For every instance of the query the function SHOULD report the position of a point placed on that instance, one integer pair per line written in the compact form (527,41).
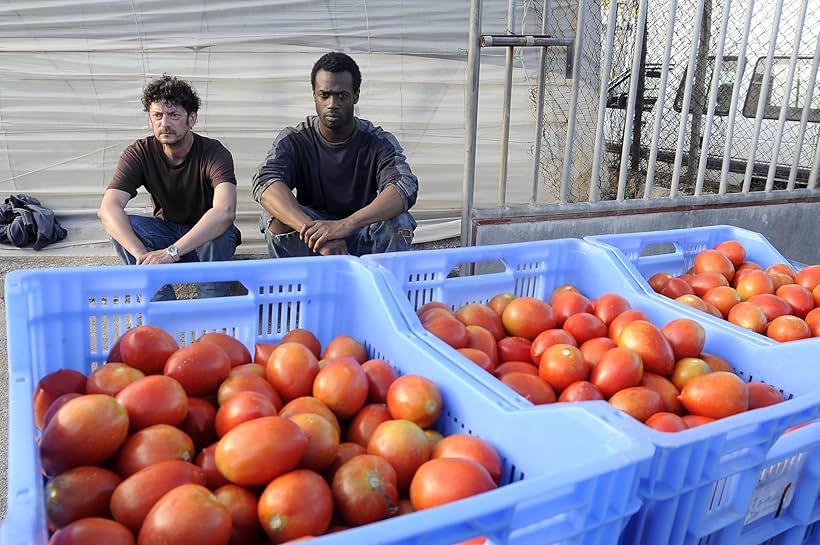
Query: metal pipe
(630,105)
(713,94)
(815,167)
(600,138)
(505,109)
(804,117)
(761,102)
(687,101)
(730,127)
(539,108)
(573,105)
(530,40)
(471,121)
(781,118)
(664,83)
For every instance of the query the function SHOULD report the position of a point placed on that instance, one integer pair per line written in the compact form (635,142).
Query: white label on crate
(775,488)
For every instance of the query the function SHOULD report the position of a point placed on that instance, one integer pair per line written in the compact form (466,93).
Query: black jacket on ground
(24,221)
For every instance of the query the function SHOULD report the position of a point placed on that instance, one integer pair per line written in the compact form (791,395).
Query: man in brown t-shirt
(189,177)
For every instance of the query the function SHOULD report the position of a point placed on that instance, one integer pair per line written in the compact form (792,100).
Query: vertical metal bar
(687,101)
(600,138)
(539,107)
(471,121)
(659,106)
(781,118)
(573,104)
(761,103)
(713,94)
(804,117)
(815,166)
(505,110)
(630,104)
(730,126)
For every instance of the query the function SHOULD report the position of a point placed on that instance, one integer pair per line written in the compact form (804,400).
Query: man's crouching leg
(393,235)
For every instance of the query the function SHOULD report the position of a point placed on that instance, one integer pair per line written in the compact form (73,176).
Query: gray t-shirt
(337,179)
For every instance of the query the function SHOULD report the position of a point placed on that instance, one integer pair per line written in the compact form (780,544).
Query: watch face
(172,251)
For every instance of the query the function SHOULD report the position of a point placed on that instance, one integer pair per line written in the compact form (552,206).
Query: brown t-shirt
(181,194)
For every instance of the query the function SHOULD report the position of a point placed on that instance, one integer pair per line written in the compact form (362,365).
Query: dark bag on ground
(25,222)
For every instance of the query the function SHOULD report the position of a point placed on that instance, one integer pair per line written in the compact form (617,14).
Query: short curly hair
(172,90)
(337,62)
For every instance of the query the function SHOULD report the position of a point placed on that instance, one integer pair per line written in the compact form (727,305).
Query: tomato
(323,441)
(688,368)
(748,316)
(561,365)
(345,452)
(723,298)
(694,420)
(813,321)
(677,287)
(609,306)
(714,261)
(692,300)
(561,289)
(151,445)
(668,422)
(435,312)
(434,437)
(703,282)
(788,328)
(548,338)
(815,295)
(669,392)
(199,423)
(515,367)
(248,382)
(432,305)
(57,405)
(93,530)
(342,385)
(304,337)
(155,399)
(110,378)
(257,451)
(763,395)
(309,404)
(747,265)
(658,280)
(187,515)
(567,303)
(241,407)
(481,315)
(365,490)
(262,351)
(527,317)
(147,348)
(617,369)
(248,369)
(379,378)
(403,444)
(715,395)
(52,386)
(754,283)
(781,268)
(472,448)
(639,402)
(529,386)
(481,339)
(479,358)
(449,330)
(206,460)
(78,493)
(242,504)
(514,349)
(200,368)
(593,349)
(500,301)
(733,250)
(622,320)
(365,422)
(414,398)
(86,431)
(799,297)
(716,363)
(780,279)
(650,344)
(685,336)
(771,305)
(345,345)
(291,369)
(136,495)
(581,390)
(296,504)
(444,480)
(583,327)
(808,277)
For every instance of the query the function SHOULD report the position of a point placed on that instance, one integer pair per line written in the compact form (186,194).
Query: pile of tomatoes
(199,445)
(576,349)
(777,302)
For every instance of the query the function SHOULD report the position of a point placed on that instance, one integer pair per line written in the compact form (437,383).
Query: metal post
(815,167)
(539,108)
(804,117)
(600,139)
(761,103)
(471,121)
(573,103)
(781,118)
(630,104)
(505,110)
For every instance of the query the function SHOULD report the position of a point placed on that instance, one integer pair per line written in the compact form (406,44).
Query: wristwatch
(172,251)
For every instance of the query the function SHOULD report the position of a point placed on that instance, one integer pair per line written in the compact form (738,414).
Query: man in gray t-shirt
(353,185)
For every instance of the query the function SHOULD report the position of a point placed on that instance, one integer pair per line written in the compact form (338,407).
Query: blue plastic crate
(701,481)
(647,253)
(577,484)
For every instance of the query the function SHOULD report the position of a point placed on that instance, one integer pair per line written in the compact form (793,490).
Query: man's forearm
(209,227)
(116,223)
(387,204)
(280,203)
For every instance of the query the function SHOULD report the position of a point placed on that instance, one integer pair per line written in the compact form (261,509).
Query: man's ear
(191,119)
(356,98)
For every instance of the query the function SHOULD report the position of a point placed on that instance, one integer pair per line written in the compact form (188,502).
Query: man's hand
(156,257)
(334,247)
(318,233)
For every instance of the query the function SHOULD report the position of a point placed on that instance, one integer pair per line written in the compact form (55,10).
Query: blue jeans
(393,235)
(157,234)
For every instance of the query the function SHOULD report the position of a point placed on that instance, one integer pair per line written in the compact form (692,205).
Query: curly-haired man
(353,185)
(189,177)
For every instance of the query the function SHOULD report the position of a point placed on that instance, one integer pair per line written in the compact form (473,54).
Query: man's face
(334,97)
(170,122)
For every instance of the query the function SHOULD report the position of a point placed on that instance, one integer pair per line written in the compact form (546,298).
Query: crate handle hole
(659,249)
(199,290)
(477,268)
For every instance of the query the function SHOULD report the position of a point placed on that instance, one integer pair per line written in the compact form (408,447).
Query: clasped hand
(326,237)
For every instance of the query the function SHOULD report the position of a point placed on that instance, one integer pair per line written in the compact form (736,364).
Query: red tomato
(242,504)
(715,395)
(365,490)
(500,301)
(567,303)
(580,391)
(147,348)
(93,530)
(548,338)
(345,452)
(365,422)
(677,287)
(754,283)
(244,406)
(152,445)
(296,504)
(622,320)
(403,444)
(664,387)
(323,441)
(345,345)
(763,395)
(809,277)
(561,365)
(481,315)
(206,460)
(668,422)
(472,448)
(445,480)
(658,280)
(650,344)
(781,268)
(529,386)
(111,378)
(788,328)
(514,349)
(304,337)
(237,353)
(703,282)
(262,352)
(516,367)
(609,306)
(813,321)
(748,316)
(479,358)
(688,368)
(449,330)
(199,423)
(155,399)
(248,369)
(692,300)
(480,339)
(694,420)
(291,369)
(342,385)
(583,327)
(187,515)
(414,398)
(248,382)
(733,250)
(200,368)
(379,378)
(593,349)
(57,405)
(309,404)
(436,312)
(617,369)
(780,279)
(527,317)
(52,386)
(639,402)
(771,305)
(714,261)
(79,493)
(685,336)
(799,297)
(716,363)
(723,298)
(815,294)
